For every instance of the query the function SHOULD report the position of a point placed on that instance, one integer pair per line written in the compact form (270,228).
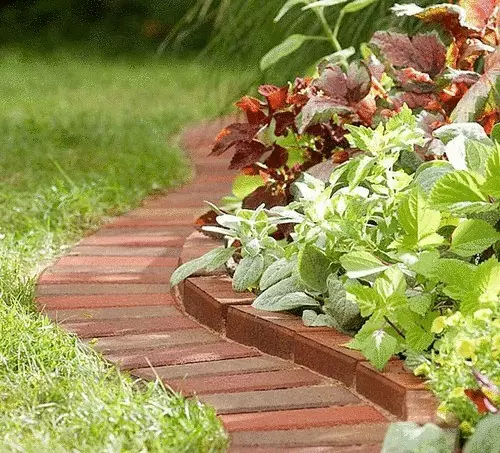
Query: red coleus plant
(293,128)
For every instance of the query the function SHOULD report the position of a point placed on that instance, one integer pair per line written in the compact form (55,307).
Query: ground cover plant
(82,139)
(369,202)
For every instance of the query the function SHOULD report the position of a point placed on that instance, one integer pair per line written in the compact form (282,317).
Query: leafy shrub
(296,127)
(398,242)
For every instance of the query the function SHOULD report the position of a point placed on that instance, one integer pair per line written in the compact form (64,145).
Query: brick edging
(209,298)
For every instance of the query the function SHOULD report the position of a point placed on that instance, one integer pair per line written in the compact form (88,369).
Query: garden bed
(208,297)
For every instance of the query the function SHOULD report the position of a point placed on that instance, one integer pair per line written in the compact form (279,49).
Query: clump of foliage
(398,241)
(296,127)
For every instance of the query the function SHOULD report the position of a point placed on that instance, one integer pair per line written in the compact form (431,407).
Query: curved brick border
(112,290)
(210,299)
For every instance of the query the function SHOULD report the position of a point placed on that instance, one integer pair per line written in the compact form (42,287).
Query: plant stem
(396,328)
(332,35)
(328,31)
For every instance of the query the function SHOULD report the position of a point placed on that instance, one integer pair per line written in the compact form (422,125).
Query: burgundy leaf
(284,121)
(276,96)
(359,81)
(252,108)
(269,195)
(278,157)
(320,109)
(246,154)
(425,53)
(332,81)
(232,134)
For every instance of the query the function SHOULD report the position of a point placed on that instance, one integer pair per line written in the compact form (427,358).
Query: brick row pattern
(112,291)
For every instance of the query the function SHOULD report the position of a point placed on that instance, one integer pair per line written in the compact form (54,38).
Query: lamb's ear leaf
(210,261)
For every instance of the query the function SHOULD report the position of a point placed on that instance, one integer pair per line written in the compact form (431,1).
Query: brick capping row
(276,385)
(211,300)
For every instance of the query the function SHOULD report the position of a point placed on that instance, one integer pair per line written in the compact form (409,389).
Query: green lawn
(80,139)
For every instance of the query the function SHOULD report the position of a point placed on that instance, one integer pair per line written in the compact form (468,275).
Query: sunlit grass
(81,139)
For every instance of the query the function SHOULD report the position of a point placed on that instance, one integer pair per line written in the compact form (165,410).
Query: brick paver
(112,290)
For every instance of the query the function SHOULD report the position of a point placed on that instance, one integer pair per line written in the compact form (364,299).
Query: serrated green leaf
(426,264)
(357,5)
(212,260)
(417,219)
(420,303)
(379,347)
(408,437)
(429,173)
(456,274)
(459,191)
(365,297)
(472,237)
(392,281)
(276,272)
(361,264)
(492,183)
(313,267)
(285,48)
(248,272)
(359,170)
(483,288)
(287,7)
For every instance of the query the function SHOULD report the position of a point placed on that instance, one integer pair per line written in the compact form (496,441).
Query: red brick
(301,418)
(324,353)
(109,270)
(219,368)
(117,261)
(186,214)
(246,382)
(108,230)
(244,327)
(87,314)
(135,241)
(208,298)
(101,301)
(273,400)
(108,250)
(146,342)
(112,328)
(340,436)
(101,288)
(183,354)
(397,390)
(89,277)
(139,223)
(309,449)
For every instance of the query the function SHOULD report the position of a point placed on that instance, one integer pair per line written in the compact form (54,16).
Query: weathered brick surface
(270,400)
(118,261)
(90,277)
(90,250)
(137,313)
(302,418)
(182,354)
(102,288)
(141,342)
(134,241)
(342,435)
(117,327)
(246,382)
(217,368)
(103,300)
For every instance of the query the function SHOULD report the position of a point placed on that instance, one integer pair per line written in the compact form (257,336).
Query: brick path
(113,287)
